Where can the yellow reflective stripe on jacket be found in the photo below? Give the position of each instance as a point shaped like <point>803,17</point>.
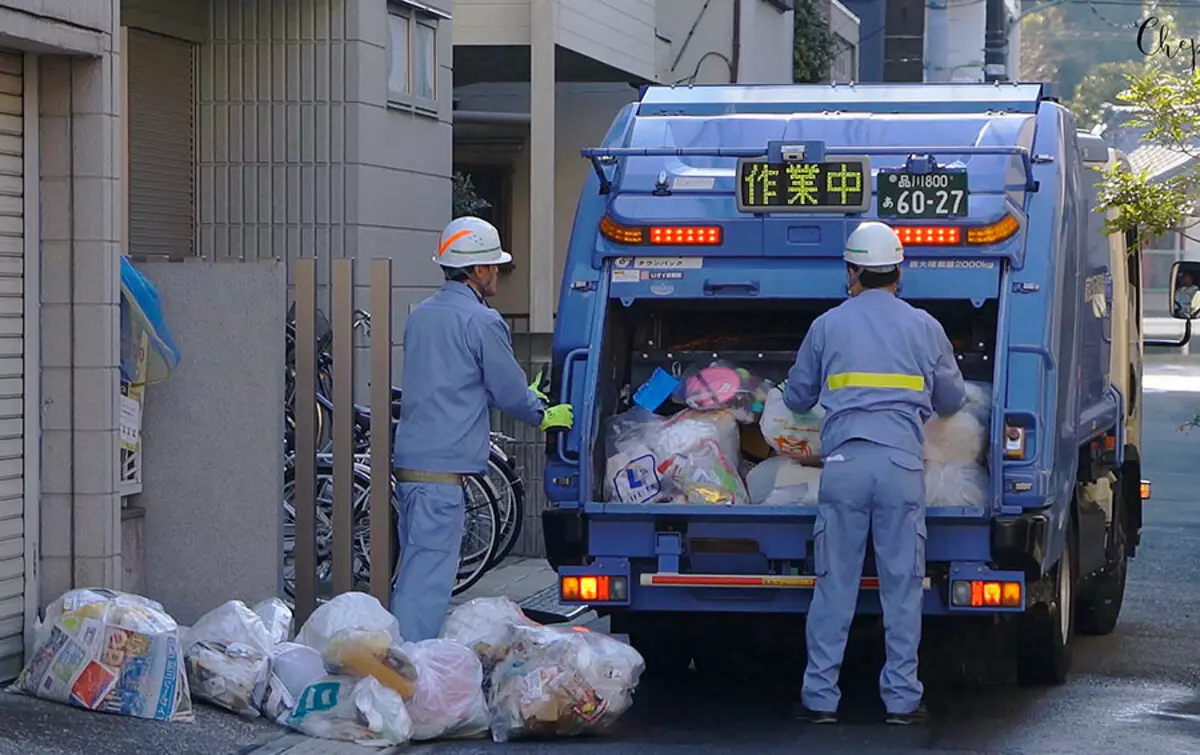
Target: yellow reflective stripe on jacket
<point>876,380</point>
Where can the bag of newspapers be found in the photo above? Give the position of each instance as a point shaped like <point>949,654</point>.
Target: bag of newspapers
<point>111,652</point>
<point>558,681</point>
<point>228,654</point>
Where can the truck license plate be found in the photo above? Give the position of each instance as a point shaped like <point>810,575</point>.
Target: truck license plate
<point>942,194</point>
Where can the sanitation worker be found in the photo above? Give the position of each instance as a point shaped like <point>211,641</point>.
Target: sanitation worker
<point>458,364</point>
<point>880,368</point>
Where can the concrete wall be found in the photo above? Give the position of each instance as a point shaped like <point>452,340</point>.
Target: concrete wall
<point>871,19</point>
<point>491,22</point>
<point>618,32</point>
<point>766,50</point>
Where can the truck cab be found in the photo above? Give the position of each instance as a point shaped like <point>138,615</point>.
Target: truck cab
<point>712,228</point>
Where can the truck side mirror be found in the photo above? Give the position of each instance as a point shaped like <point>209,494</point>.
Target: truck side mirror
<point>1185,290</point>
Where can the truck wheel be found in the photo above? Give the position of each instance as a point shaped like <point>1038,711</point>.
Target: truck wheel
<point>1047,630</point>
<point>1100,598</point>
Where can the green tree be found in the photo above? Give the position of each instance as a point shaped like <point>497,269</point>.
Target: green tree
<point>813,49</point>
<point>465,199</point>
<point>1101,86</point>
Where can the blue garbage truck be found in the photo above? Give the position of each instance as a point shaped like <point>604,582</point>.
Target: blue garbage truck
<point>712,228</point>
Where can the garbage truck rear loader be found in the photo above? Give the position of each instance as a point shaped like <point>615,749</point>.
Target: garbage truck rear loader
<point>712,229</point>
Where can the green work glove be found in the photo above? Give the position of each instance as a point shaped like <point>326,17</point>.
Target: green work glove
<point>558,417</point>
<point>536,387</point>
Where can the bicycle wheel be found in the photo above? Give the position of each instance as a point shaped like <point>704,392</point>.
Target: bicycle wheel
<point>360,543</point>
<point>510,490</point>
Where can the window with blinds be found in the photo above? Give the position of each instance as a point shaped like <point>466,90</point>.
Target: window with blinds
<point>162,145</point>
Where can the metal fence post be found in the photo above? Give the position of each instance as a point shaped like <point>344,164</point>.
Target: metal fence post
<point>304,551</point>
<point>342,322</point>
<point>382,559</point>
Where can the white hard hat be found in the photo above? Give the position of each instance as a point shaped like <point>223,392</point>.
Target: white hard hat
<point>874,245</point>
<point>470,241</point>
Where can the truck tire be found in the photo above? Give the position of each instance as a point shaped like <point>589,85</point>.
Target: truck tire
<point>1046,636</point>
<point>1100,598</point>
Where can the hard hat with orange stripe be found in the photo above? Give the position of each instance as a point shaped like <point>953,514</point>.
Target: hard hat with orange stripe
<point>470,241</point>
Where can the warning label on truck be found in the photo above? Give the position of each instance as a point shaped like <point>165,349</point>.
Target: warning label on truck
<point>659,263</point>
<point>953,264</point>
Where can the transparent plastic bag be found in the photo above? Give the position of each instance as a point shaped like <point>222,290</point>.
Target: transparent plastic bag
<point>352,710</point>
<point>700,453</point>
<point>631,474</point>
<point>484,625</point>
<point>957,483</point>
<point>277,618</point>
<point>349,610</point>
<point>789,433</point>
<point>961,437</point>
<point>721,385</point>
<point>557,681</point>
<point>112,652</point>
<point>228,655</point>
<point>979,401</point>
<point>370,652</point>
<point>293,668</point>
<point>780,481</point>
<point>449,702</point>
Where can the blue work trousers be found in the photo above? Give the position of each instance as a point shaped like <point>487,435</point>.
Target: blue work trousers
<point>431,532</point>
<point>867,487</point>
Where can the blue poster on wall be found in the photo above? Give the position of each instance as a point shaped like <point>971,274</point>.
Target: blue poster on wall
<point>141,314</point>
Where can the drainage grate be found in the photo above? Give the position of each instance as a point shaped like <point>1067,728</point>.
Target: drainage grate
<point>544,608</point>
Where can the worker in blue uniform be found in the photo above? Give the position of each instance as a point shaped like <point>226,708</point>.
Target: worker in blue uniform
<point>880,368</point>
<point>458,364</point>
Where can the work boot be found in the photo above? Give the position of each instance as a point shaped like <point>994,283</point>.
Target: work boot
<point>801,713</point>
<point>918,716</point>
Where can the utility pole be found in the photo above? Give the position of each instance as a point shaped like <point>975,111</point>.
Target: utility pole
<point>995,42</point>
<point>937,40</point>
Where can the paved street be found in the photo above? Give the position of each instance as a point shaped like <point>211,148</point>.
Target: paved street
<point>1137,690</point>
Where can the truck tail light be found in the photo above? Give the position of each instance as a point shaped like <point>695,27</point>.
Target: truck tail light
<point>1145,490</point>
<point>593,589</point>
<point>661,235</point>
<point>934,235</point>
<point>621,234</point>
<point>1001,230</point>
<point>981,594</point>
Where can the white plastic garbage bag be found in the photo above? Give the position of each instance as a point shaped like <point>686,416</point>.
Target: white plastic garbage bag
<point>349,610</point>
<point>228,654</point>
<point>352,710</point>
<point>557,681</point>
<point>789,433</point>
<point>370,652</point>
<point>700,452</point>
<point>979,401</point>
<point>961,437</point>
<point>293,668</point>
<point>780,481</point>
<point>631,473</point>
<point>957,483</point>
<point>277,618</point>
<point>449,702</point>
<point>111,652</point>
<point>484,625</point>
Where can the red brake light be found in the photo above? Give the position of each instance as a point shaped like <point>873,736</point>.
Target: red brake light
<point>918,235</point>
<point>702,235</point>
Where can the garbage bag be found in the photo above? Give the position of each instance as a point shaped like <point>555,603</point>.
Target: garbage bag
<point>979,401</point>
<point>484,625</point>
<point>631,474</point>
<point>780,481</point>
<point>277,618</point>
<point>957,483</point>
<point>557,681</point>
<point>449,702</point>
<point>700,453</point>
<point>370,652</point>
<point>721,385</point>
<point>352,710</point>
<point>293,668</point>
<point>789,433</point>
<point>228,655</point>
<point>112,652</point>
<point>961,437</point>
<point>349,610</point>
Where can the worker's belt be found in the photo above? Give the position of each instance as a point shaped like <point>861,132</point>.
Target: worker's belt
<point>437,478</point>
<point>876,380</point>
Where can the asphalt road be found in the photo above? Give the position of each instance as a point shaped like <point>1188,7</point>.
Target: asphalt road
<point>1137,690</point>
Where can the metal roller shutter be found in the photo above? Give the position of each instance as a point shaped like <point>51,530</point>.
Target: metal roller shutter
<point>162,146</point>
<point>12,329</point>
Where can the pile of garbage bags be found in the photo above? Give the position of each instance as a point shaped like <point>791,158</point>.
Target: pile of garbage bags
<point>348,674</point>
<point>736,442</point>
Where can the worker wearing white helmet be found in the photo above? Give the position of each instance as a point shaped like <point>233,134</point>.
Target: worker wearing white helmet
<point>880,368</point>
<point>458,364</point>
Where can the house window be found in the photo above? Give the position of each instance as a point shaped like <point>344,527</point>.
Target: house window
<point>412,58</point>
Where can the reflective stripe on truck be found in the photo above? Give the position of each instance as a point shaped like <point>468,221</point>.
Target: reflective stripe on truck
<point>745,580</point>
